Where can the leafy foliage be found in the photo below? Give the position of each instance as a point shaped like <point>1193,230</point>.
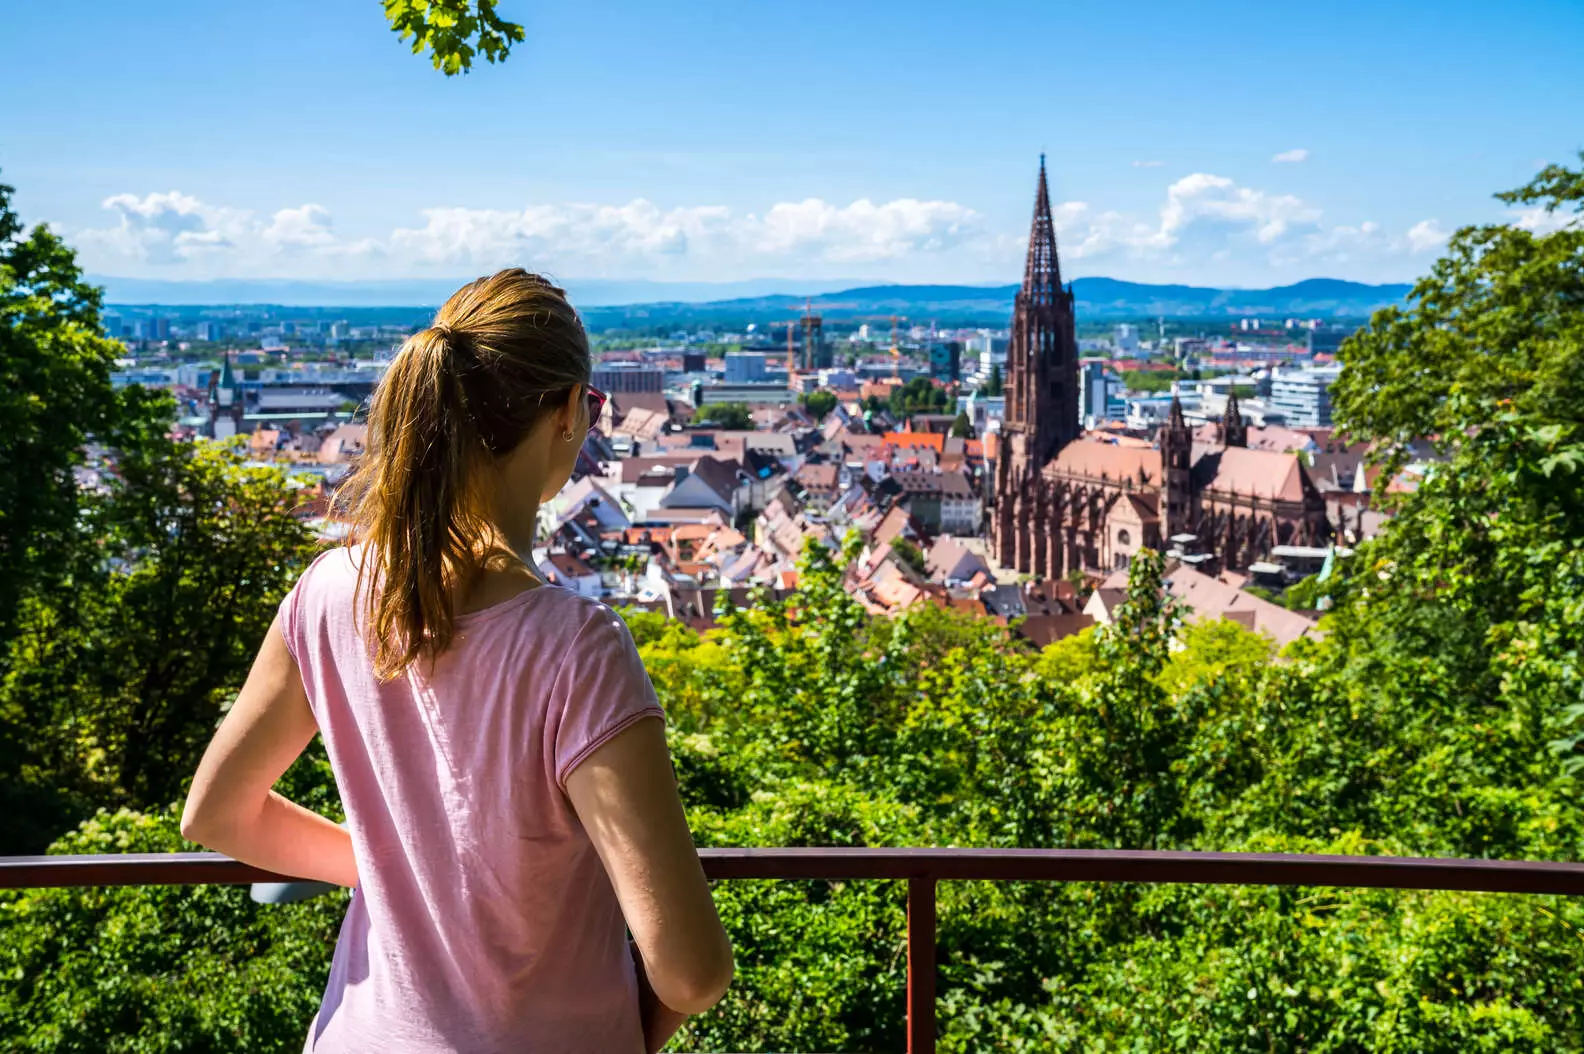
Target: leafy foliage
<point>54,395</point>
<point>918,396</point>
<point>819,403</point>
<point>113,688</point>
<point>733,416</point>
<point>454,32</point>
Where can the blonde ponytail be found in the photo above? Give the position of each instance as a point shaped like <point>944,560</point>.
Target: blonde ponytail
<point>463,392</point>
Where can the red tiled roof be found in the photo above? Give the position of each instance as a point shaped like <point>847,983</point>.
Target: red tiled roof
<point>818,477</point>
<point>1087,458</point>
<point>1260,473</point>
<point>902,440</point>
<point>569,565</point>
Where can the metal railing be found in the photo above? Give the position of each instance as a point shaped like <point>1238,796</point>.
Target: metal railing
<point>922,869</point>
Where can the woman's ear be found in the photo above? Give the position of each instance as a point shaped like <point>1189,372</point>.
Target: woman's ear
<point>567,416</point>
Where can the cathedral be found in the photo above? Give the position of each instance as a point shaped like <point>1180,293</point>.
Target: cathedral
<point>1066,502</point>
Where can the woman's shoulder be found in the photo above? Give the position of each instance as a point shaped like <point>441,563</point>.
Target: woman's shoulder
<point>332,568</point>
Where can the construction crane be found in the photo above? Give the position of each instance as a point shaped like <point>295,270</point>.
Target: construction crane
<point>812,327</point>
<point>895,347</point>
<point>896,350</point>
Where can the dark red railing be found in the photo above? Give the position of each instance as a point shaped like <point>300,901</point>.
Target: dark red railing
<point>922,869</point>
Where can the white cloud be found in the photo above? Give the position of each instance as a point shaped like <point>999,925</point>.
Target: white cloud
<point>166,227</point>
<point>177,232</point>
<point>1207,229</point>
<point>304,225</point>
<point>1538,221</point>
<point>1148,164</point>
<point>1425,236</point>
<point>1203,200</point>
<point>1291,157</point>
<point>862,231</point>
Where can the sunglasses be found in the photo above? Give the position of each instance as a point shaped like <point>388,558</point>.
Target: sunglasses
<point>596,403</point>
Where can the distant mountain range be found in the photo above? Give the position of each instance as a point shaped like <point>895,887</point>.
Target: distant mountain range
<point>428,292</point>
<point>640,304</point>
<point>1095,298</point>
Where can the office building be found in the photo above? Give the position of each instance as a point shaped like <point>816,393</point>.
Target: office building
<point>1303,396</point>
<point>627,378</point>
<point>745,367</point>
<point>1100,398</point>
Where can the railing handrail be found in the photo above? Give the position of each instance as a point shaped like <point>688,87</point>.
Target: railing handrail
<point>945,864</point>
<point>922,869</point>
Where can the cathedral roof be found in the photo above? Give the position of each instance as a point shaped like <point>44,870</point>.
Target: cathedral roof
<point>1096,460</point>
<point>1256,473</point>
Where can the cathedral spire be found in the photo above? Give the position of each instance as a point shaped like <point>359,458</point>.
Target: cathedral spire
<point>1042,273</point>
<point>1234,427</point>
<point>1041,396</point>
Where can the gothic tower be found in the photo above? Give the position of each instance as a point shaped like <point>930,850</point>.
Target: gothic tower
<point>1233,429</point>
<point>1041,390</point>
<point>1176,450</point>
<point>225,402</point>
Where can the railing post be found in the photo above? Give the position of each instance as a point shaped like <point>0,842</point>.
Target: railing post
<point>921,966</point>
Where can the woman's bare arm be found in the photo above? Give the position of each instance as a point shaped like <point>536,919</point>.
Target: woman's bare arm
<point>625,794</point>
<point>231,808</point>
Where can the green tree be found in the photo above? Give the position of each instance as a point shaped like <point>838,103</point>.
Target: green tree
<point>995,386</point>
<point>962,428</point>
<point>113,688</point>
<point>1485,558</point>
<point>819,403</point>
<point>55,395</point>
<point>733,416</point>
<point>453,31</point>
<point>910,554</point>
<point>920,395</point>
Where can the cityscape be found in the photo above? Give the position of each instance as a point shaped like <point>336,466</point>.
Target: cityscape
<point>722,455</point>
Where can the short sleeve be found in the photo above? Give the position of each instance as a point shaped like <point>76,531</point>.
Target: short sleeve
<point>288,614</point>
<point>602,690</point>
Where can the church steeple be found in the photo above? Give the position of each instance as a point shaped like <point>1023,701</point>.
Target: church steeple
<point>1041,395</point>
<point>1042,282</point>
<point>1042,355</point>
<point>1176,453</point>
<point>1234,427</point>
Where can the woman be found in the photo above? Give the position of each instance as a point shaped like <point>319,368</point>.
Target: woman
<point>500,752</point>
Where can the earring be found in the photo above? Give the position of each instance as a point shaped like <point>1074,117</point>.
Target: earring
<point>567,436</point>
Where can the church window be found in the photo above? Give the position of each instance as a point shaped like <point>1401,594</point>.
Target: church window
<point>1123,538</point>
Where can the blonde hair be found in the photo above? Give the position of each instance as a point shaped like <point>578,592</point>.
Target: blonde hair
<point>503,351</point>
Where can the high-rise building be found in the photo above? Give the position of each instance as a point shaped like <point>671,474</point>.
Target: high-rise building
<point>1101,397</point>
<point>618,378</point>
<point>1127,339</point>
<point>1303,396</point>
<point>744,367</point>
<point>946,360</point>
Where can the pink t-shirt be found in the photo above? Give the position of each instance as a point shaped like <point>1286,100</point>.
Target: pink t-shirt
<point>484,920</point>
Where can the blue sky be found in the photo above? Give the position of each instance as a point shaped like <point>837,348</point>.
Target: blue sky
<point>715,141</point>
